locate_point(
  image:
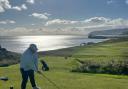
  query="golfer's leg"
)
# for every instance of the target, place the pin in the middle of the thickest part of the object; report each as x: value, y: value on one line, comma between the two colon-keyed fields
x: 32, y: 78
x: 24, y: 78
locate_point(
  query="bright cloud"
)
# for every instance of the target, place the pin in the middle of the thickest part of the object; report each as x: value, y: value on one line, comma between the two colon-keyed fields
x: 7, y: 22
x: 126, y: 2
x: 59, y: 21
x: 30, y: 1
x: 91, y: 22
x: 118, y: 22
x: 17, y: 8
x: 4, y: 4
x: 23, y: 6
x: 20, y: 8
x: 40, y: 15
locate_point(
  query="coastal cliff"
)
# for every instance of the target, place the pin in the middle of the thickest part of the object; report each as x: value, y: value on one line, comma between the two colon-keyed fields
x: 114, y: 33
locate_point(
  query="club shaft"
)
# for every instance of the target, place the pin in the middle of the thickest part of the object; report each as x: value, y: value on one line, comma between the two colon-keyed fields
x: 50, y: 81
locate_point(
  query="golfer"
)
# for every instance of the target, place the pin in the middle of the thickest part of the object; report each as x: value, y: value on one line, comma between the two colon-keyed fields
x: 29, y: 64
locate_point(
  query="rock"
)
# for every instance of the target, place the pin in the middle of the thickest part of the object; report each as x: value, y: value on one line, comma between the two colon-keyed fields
x: 83, y: 44
x: 89, y: 43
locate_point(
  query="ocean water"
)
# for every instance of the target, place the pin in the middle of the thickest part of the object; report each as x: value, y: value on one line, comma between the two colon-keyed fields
x: 44, y: 43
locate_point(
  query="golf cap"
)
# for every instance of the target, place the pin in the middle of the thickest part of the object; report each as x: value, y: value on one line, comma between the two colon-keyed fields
x: 33, y: 46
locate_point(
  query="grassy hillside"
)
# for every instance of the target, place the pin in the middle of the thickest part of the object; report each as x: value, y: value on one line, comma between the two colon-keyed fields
x: 60, y: 68
x: 104, y: 51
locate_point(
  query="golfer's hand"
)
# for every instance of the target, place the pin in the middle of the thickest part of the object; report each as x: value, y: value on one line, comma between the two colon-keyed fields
x: 39, y: 72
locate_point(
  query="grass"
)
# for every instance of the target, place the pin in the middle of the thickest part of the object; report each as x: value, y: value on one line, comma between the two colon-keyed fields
x: 60, y: 69
x: 103, y: 51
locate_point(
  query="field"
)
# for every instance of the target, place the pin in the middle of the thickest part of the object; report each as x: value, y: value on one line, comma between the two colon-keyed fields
x: 60, y: 68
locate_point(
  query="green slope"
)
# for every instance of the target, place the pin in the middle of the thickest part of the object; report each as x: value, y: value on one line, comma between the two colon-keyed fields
x: 110, y: 50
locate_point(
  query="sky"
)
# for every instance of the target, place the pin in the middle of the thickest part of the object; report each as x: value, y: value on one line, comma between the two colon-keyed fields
x: 36, y: 17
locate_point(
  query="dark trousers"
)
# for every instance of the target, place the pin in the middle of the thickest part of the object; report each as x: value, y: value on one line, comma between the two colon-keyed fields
x: 25, y: 75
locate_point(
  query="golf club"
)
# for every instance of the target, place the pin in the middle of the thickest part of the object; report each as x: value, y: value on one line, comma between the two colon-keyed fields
x: 49, y: 80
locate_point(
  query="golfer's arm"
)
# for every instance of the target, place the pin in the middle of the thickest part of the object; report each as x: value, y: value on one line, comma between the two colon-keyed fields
x: 36, y: 64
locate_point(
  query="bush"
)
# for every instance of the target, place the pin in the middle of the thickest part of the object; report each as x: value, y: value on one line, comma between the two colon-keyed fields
x: 112, y: 67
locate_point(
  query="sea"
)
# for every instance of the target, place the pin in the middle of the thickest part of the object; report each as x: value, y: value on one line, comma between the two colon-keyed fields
x: 44, y: 43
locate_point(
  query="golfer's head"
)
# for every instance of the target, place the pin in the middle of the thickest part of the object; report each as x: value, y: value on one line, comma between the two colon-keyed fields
x: 33, y: 48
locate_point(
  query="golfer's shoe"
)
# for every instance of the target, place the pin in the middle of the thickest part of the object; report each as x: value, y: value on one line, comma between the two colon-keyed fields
x: 36, y: 88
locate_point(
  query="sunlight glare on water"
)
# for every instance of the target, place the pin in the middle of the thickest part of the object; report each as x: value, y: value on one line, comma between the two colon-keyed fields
x: 44, y: 43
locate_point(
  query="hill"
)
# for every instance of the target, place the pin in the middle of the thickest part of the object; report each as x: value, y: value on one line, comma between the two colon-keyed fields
x: 113, y: 33
x: 8, y: 58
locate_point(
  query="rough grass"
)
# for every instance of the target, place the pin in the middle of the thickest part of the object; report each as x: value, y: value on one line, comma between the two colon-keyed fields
x: 60, y: 69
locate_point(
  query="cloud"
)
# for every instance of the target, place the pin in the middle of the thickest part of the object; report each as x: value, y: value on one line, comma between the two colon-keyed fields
x: 71, y: 27
x: 47, y: 14
x: 126, y: 2
x: 7, y: 22
x: 30, y: 1
x: 13, y: 32
x: 97, y: 20
x: 59, y: 21
x: 89, y: 23
x: 40, y: 15
x: 110, y: 2
x: 42, y: 31
x: 20, y: 8
x: 33, y: 24
x: 20, y: 31
x: 23, y: 6
x: 118, y: 22
x: 4, y: 4
x: 17, y: 8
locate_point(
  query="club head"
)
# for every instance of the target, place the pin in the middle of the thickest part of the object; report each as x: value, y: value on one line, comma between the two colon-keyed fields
x: 4, y: 78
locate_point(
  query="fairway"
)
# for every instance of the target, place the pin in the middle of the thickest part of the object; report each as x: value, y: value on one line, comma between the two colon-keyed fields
x: 60, y: 74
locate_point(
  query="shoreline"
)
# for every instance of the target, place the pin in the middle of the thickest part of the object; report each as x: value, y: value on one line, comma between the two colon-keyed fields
x: 67, y: 51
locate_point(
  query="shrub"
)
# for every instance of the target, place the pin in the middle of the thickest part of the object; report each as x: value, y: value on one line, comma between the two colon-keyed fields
x: 111, y: 67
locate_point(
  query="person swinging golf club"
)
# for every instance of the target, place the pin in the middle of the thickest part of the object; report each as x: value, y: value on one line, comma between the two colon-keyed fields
x: 29, y: 64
